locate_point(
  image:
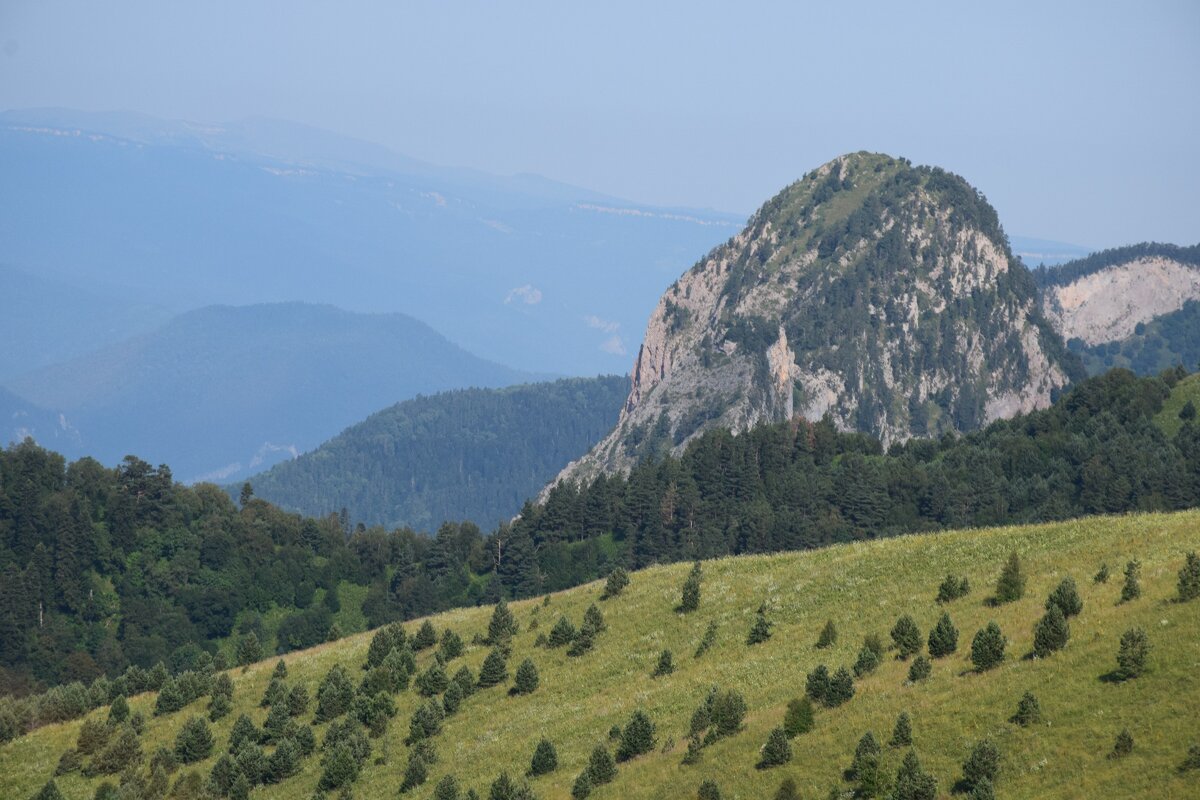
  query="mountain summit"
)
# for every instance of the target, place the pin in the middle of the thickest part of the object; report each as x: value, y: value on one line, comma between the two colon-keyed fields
x: 880, y: 293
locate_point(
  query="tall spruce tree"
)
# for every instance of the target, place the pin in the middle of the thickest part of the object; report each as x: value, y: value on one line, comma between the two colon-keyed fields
x: 601, y: 768
x: 1066, y: 597
x: 545, y: 759
x: 982, y: 763
x: 494, y: 670
x: 777, y: 751
x: 943, y: 639
x: 902, y: 733
x: 987, y: 648
x: 690, y: 595
x: 1133, y: 654
x: 502, y: 626
x: 636, y: 738
x: 1011, y: 584
x: 906, y: 636
x: 1051, y: 632
x: 1132, y: 589
x: 527, y: 679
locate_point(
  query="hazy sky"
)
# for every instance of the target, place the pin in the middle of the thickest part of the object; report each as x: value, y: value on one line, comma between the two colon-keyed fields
x: 1080, y: 122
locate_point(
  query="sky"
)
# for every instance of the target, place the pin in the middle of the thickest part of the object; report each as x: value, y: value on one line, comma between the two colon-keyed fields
x: 1079, y: 121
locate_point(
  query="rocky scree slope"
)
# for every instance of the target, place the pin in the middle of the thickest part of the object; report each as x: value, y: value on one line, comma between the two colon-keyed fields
x: 880, y: 293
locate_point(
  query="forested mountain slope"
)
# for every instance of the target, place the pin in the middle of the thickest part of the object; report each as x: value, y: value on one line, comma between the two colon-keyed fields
x: 471, y: 454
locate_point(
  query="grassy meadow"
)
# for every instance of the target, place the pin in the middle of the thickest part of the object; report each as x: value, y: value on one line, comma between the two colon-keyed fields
x: 862, y: 588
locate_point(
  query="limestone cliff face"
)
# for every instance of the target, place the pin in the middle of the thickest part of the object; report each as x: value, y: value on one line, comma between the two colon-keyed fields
x: 881, y: 294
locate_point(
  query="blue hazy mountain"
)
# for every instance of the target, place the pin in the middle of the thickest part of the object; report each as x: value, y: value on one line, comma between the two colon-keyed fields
x: 521, y: 270
x: 220, y: 392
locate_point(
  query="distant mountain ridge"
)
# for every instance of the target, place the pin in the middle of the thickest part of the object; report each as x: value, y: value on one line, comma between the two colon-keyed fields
x: 882, y: 294
x: 221, y: 391
x: 469, y: 454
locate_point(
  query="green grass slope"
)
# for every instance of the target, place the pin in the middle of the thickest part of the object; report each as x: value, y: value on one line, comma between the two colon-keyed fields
x: 863, y: 588
x: 1168, y: 418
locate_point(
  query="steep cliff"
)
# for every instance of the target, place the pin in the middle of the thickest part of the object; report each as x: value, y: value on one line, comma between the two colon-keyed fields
x: 882, y: 294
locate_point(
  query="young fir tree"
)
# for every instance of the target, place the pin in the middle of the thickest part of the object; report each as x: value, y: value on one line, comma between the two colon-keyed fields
x: 1123, y: 745
x: 1066, y: 597
x: 841, y: 688
x: 866, y: 663
x: 665, y: 666
x: 798, y: 718
x: 452, y: 699
x: 1132, y: 589
x: 1192, y: 760
x: 426, y: 637
x: 194, y: 742
x: 601, y: 768
x: 982, y: 790
x: 447, y: 789
x: 912, y: 782
x: 987, y: 648
x: 502, y: 626
x: 1101, y: 575
x: 545, y: 759
x: 118, y: 712
x: 594, y: 619
x: 707, y: 640
x: 582, y: 786
x: 943, y: 639
x: 433, y: 680
x: 465, y: 680
x: 760, y: 631
x: 616, y: 582
x: 583, y: 643
x: 906, y: 636
x: 920, y: 669
x: 1189, y: 578
x: 867, y: 747
x: 275, y: 694
x: 297, y: 701
x: 708, y: 791
x: 690, y: 595
x: 1133, y: 654
x: 415, y: 773
x: 982, y: 763
x: 953, y: 588
x: 816, y: 684
x: 244, y: 730
x: 526, y: 680
x: 49, y: 792
x: 280, y: 671
x: 451, y: 646
x: 777, y: 751
x: 1011, y: 584
x: 562, y: 634
x: 828, y: 636
x: 93, y: 735
x: 249, y: 649
x: 787, y: 790
x: 494, y: 670
x: 1051, y: 632
x: 636, y: 738
x: 334, y: 695
x: 1029, y: 710
x: 902, y: 733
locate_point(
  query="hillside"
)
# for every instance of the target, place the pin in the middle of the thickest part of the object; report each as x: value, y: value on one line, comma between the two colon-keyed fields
x: 470, y: 454
x: 222, y: 391
x: 882, y: 294
x: 862, y: 588
x: 20, y: 418
x: 1136, y: 307
x: 519, y: 269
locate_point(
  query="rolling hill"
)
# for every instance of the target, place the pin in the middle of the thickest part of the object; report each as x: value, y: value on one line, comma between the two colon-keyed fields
x: 863, y: 588
x: 468, y: 454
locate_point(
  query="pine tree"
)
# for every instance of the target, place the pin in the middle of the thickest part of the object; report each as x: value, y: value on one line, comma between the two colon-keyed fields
x: 601, y: 768
x: 582, y: 786
x: 562, y: 633
x: 1132, y: 589
x: 616, y: 582
x: 943, y: 639
x: 592, y: 618
x: 93, y: 735
x: 1189, y: 578
x: 787, y: 790
x: 636, y: 738
x: 502, y: 626
x: 777, y: 751
x: 707, y: 640
x: 243, y: 731
x: 665, y: 666
x: 447, y: 789
x: 240, y: 789
x: 119, y: 711
x: 873, y: 643
x: 275, y: 694
x: 953, y: 588
x: 987, y: 648
x: 920, y: 669
x: 828, y: 637
x: 297, y: 701
x: 334, y: 695
x: 690, y: 596
x: 451, y: 645
x: 866, y: 663
x: 426, y: 637
x: 545, y: 759
x: 816, y: 684
x: 280, y: 672
x: 1101, y: 575
x: 906, y: 636
x: 465, y: 680
x: 1029, y: 711
x: 526, y: 680
x: 415, y: 773
x: 760, y: 631
x: 452, y: 699
x: 798, y: 718
x: 1051, y: 632
x: 1011, y: 585
x: 867, y: 747
x: 708, y: 791
x: 1123, y: 745
x: 433, y: 680
x: 1066, y: 597
x: 583, y: 643
x: 902, y: 733
x: 49, y: 792
x: 983, y: 763
x: 983, y: 790
x: 249, y: 649
x: 494, y: 670
x: 912, y: 782
x: 194, y: 742
x: 841, y: 688
x: 1133, y: 653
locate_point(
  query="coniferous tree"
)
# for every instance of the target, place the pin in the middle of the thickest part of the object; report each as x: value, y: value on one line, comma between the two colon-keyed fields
x: 334, y: 695
x: 49, y: 792
x: 982, y: 763
x: 433, y: 680
x: 275, y: 694
x: 447, y: 789
x: 465, y: 680
x: 866, y: 663
x: 841, y: 688
x: 777, y: 751
x: 582, y: 786
x: 983, y: 790
x: 452, y: 699
x: 451, y: 646
x: 526, y: 680
x: 592, y: 618
x: 583, y: 643
x: 690, y: 595
x: 244, y: 730
x: 502, y: 626
x: 1051, y: 632
x: 987, y: 648
x: 902, y: 733
x: 1123, y: 745
x: 1192, y: 760
x: 616, y: 582
x: 636, y: 738
x: 798, y: 718
x: 280, y: 672
x: 1029, y: 711
x: 194, y: 742
x: 249, y: 649
x: 70, y: 761
x: 601, y: 768
x: 415, y: 773
x: 297, y: 701
x: 562, y: 633
x: 912, y: 782
x: 708, y: 790
x: 1066, y: 597
x: 1011, y: 585
x: 906, y: 636
x: 545, y: 759
x: 787, y: 790
x: 119, y: 711
x: 1132, y: 589
x: 828, y: 636
x: 952, y: 588
x: 868, y: 746
x: 426, y: 637
x: 816, y: 684
x: 943, y: 639
x: 1133, y: 653
x: 707, y: 640
x: 665, y: 666
x: 1189, y: 578
x: 760, y: 631
x: 1101, y: 575
x: 494, y: 670
x: 93, y: 735
x: 920, y: 669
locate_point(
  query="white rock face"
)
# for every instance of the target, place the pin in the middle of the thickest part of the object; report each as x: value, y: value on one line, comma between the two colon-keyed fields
x: 1108, y: 305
